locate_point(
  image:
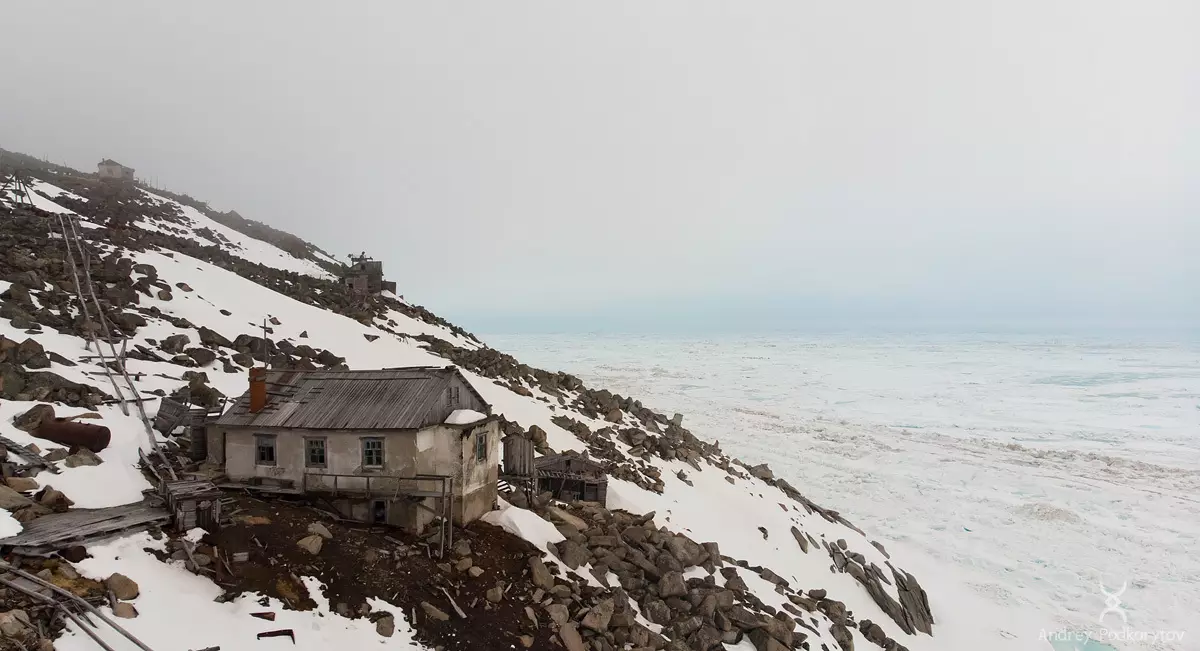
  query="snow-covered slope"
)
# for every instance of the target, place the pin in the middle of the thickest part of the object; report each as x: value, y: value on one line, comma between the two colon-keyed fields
x: 750, y: 515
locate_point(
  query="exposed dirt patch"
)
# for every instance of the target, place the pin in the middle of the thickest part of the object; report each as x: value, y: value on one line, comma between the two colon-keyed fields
x: 359, y: 562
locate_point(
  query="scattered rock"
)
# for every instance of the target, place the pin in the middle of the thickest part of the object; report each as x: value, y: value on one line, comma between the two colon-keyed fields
x: 84, y: 457
x: 311, y: 544
x: 15, y: 624
x: 540, y: 575
x: 123, y: 587
x: 54, y: 499
x: 22, y: 484
x: 599, y: 616
x: 320, y: 530
x: 32, y: 419
x: 462, y: 548
x: 496, y: 593
x: 386, y: 626
x: 433, y: 612
x: 671, y: 585
x: 74, y: 553
x: 175, y: 344
x: 125, y: 610
x: 210, y: 337
x: 762, y: 472
x: 202, y: 356
x: 558, y: 614
x: 11, y: 500
x: 570, y: 638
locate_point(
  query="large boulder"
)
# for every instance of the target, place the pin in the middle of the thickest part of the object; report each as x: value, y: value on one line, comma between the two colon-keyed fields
x: 210, y: 337
x: 202, y: 356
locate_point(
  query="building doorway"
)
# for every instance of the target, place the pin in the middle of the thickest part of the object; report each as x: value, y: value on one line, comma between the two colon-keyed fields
x: 378, y: 511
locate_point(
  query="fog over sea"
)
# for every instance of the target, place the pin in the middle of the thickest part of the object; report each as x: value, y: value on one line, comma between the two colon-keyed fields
x: 1035, y: 467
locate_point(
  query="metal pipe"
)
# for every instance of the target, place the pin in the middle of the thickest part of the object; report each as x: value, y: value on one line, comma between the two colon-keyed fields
x: 90, y: 608
x: 61, y: 608
x: 87, y: 317
x: 118, y: 359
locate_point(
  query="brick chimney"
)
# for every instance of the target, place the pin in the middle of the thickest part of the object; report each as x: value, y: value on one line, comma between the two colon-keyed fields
x: 258, y: 389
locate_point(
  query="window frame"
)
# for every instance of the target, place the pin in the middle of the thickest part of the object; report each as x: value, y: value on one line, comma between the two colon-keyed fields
x: 265, y: 442
x: 308, y: 449
x: 481, y: 445
x: 363, y: 452
x: 453, y: 396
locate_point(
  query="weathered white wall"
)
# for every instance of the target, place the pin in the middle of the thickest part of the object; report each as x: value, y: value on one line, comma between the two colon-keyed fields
x: 434, y: 450
x: 440, y: 450
x: 114, y: 172
x: 478, y: 478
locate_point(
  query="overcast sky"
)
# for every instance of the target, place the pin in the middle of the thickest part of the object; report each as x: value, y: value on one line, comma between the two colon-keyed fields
x: 656, y: 165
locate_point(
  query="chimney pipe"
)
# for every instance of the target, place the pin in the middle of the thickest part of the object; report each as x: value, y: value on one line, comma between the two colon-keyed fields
x: 258, y: 389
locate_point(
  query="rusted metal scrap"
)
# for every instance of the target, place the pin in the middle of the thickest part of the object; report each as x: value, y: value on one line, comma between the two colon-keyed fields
x: 269, y: 616
x: 283, y: 632
x: 74, y: 434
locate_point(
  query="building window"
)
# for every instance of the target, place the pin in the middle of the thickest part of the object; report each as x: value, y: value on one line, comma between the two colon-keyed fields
x: 480, y: 446
x: 314, y: 453
x: 453, y: 396
x: 264, y: 450
x: 372, y: 453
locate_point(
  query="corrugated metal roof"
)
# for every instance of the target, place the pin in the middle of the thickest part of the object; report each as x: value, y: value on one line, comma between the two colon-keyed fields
x: 402, y: 398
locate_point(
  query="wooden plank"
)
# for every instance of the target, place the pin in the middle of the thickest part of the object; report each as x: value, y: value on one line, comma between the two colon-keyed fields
x: 30, y: 458
x: 63, y: 529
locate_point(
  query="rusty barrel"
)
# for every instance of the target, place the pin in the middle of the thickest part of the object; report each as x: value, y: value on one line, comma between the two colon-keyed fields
x: 75, y: 434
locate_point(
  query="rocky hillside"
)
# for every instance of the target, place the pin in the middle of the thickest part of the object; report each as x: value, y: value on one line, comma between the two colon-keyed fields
x: 693, y: 550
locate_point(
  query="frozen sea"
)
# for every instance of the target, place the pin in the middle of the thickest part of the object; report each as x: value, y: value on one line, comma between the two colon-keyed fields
x: 1036, y: 468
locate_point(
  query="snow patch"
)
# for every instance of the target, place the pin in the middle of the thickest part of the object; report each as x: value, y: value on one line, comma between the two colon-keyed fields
x: 464, y: 417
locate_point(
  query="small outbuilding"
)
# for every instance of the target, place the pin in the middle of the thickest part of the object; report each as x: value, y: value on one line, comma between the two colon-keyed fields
x: 111, y: 169
x: 406, y: 446
x: 571, y: 477
x: 366, y: 276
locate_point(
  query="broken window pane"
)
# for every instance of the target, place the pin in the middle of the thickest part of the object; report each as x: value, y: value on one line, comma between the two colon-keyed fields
x: 480, y: 446
x: 315, y: 453
x: 264, y: 450
x: 372, y: 456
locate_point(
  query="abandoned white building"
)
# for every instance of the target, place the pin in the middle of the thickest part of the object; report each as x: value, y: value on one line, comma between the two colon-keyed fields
x: 405, y: 447
x: 111, y: 169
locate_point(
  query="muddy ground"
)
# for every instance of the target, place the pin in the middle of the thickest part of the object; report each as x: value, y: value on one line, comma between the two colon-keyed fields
x: 361, y: 561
